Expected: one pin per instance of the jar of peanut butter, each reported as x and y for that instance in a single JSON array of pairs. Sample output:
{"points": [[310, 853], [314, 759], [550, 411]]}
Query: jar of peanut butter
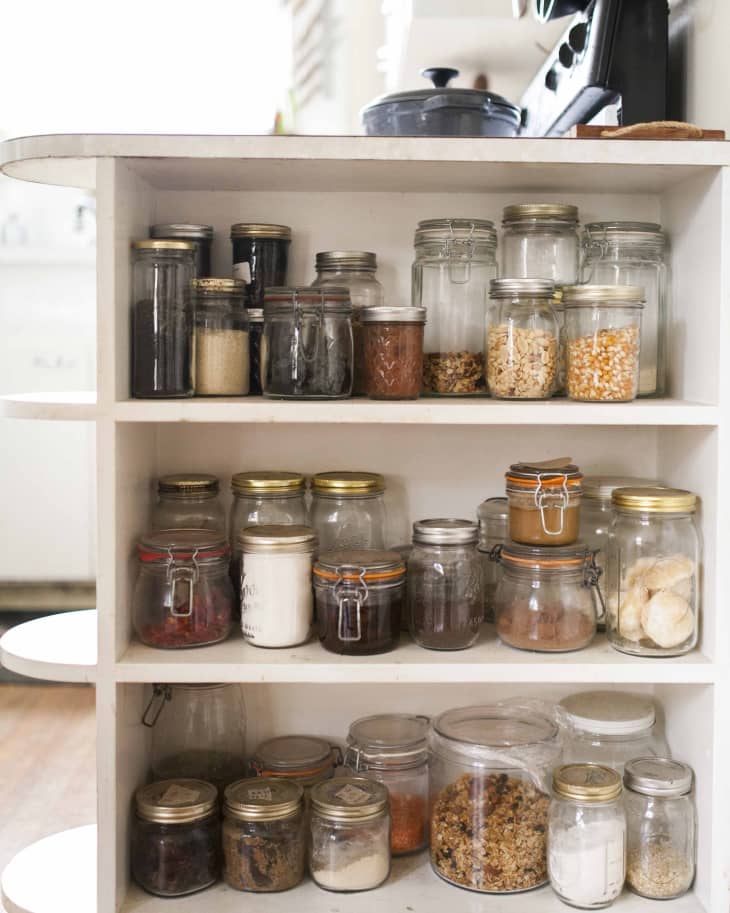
{"points": [[544, 502]]}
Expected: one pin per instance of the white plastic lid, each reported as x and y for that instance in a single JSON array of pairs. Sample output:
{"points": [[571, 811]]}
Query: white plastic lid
{"points": [[609, 712]]}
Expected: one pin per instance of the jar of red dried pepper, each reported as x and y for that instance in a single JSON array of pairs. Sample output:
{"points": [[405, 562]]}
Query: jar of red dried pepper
{"points": [[183, 596]]}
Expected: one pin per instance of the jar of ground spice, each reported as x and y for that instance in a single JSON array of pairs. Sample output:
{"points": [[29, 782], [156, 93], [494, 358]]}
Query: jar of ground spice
{"points": [[544, 502], [393, 351], [221, 337], [260, 257]]}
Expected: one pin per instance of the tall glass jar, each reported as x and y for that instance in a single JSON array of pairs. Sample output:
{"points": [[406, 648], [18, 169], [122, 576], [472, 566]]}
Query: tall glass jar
{"points": [[522, 339], [303, 759], [489, 778], [260, 257], [348, 510], [198, 731], [662, 827], [587, 836], [162, 319], [188, 500], [632, 253], [444, 585], [654, 560], [391, 748], [201, 237], [540, 241], [544, 502], [255, 335], [455, 262], [493, 517], [354, 270], [221, 337]]}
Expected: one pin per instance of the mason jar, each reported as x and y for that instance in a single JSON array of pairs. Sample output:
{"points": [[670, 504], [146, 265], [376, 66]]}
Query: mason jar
{"points": [[392, 352], [493, 518], [260, 257], [302, 759], [455, 262], [522, 339], [221, 337], [544, 502], [392, 749], [662, 827], [587, 836], [348, 510], [633, 253], [188, 500], [652, 581], [540, 241], [445, 608], [201, 236]]}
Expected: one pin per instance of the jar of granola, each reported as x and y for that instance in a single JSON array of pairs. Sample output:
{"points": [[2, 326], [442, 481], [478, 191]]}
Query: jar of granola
{"points": [[544, 502]]}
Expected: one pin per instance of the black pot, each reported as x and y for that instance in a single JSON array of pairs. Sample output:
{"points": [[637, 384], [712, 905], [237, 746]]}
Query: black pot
{"points": [[441, 111]]}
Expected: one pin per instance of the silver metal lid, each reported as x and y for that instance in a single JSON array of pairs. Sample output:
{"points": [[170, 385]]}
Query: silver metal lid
{"points": [[393, 315], [494, 509], [552, 212], [658, 777], [177, 801], [263, 799], [188, 231], [476, 230], [606, 295], [346, 259], [514, 288], [600, 488], [256, 315], [277, 539], [260, 230], [446, 531], [624, 232], [609, 712], [297, 754], [349, 798]]}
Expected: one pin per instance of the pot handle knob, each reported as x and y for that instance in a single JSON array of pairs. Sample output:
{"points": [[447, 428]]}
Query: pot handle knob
{"points": [[439, 76]]}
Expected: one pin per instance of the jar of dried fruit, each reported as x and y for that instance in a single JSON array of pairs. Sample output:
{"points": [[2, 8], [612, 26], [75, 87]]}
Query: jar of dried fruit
{"points": [[544, 502], [652, 585]]}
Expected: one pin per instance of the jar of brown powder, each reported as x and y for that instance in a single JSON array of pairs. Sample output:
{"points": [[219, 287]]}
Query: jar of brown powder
{"points": [[544, 502], [393, 351]]}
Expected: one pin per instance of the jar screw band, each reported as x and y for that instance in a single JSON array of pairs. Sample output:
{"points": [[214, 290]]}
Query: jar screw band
{"points": [[161, 693]]}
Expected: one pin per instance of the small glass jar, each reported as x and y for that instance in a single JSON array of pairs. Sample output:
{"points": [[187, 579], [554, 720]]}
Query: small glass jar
{"points": [[455, 262], [188, 501], [544, 502], [444, 585], [391, 748], [392, 352], [307, 349], [349, 846], [587, 836], [493, 517], [201, 236], [360, 595], [255, 334], [264, 835], [632, 253], [162, 319], [603, 324], [260, 257], [546, 600], [611, 728], [221, 337], [540, 241], [522, 339], [183, 595], [198, 731], [175, 837], [303, 759], [652, 581], [662, 827], [348, 510], [276, 584], [489, 774]]}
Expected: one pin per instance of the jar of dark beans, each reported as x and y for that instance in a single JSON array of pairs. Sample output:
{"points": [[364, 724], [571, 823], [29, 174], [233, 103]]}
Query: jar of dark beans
{"points": [[255, 332], [359, 597], [201, 237], [307, 348], [162, 319], [175, 837], [260, 257], [393, 351]]}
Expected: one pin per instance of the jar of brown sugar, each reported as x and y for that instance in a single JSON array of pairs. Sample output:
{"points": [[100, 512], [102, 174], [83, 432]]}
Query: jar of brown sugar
{"points": [[393, 351], [544, 502]]}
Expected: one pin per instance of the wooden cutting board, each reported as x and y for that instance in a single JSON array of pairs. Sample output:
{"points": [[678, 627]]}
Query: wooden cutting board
{"points": [[660, 129]]}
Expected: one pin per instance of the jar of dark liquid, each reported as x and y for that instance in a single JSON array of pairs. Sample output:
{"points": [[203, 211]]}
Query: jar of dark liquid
{"points": [[201, 237], [260, 257]]}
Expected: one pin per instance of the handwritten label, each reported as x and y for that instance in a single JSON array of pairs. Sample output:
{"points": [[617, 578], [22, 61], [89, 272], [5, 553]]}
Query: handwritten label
{"points": [[352, 795], [179, 795]]}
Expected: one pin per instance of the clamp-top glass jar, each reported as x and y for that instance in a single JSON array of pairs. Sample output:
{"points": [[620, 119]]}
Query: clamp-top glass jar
{"points": [[493, 517], [188, 501], [260, 257], [544, 502], [201, 237], [540, 241], [348, 510], [455, 262], [221, 337], [304, 759]]}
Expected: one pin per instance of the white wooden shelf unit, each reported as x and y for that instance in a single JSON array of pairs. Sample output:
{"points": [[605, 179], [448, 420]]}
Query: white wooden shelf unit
{"points": [[369, 193]]}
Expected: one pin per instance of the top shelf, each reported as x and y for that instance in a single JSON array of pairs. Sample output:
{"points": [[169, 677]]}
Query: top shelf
{"points": [[360, 163]]}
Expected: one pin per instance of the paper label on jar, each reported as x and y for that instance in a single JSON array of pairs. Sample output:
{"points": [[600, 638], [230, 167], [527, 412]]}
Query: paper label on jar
{"points": [[242, 271], [259, 793], [352, 795], [179, 795]]}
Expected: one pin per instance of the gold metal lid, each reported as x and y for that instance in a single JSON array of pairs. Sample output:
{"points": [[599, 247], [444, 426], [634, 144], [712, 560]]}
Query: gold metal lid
{"points": [[188, 483], [162, 244], [348, 483], [346, 259], [177, 801], [655, 500], [267, 482], [559, 212], [587, 783], [579, 295], [263, 799], [260, 230], [214, 284], [276, 538], [349, 798]]}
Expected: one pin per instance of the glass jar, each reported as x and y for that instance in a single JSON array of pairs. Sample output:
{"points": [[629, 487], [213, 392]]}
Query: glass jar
{"points": [[632, 253], [260, 257], [201, 237], [264, 835], [587, 836], [221, 337], [489, 774], [546, 600], [540, 241], [198, 731], [493, 516], [445, 607], [350, 834], [611, 728], [162, 319], [603, 324], [652, 581], [544, 502], [255, 334], [175, 837], [188, 501], [348, 510], [303, 759], [455, 262], [391, 748], [392, 352], [353, 270], [561, 376], [522, 339], [360, 595], [276, 584], [183, 595], [662, 827], [306, 349]]}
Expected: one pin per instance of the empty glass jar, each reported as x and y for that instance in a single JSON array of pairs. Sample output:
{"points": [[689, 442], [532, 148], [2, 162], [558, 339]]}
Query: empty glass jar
{"points": [[188, 501], [544, 502], [348, 510], [201, 237], [303, 759], [493, 516], [540, 241], [221, 337]]}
